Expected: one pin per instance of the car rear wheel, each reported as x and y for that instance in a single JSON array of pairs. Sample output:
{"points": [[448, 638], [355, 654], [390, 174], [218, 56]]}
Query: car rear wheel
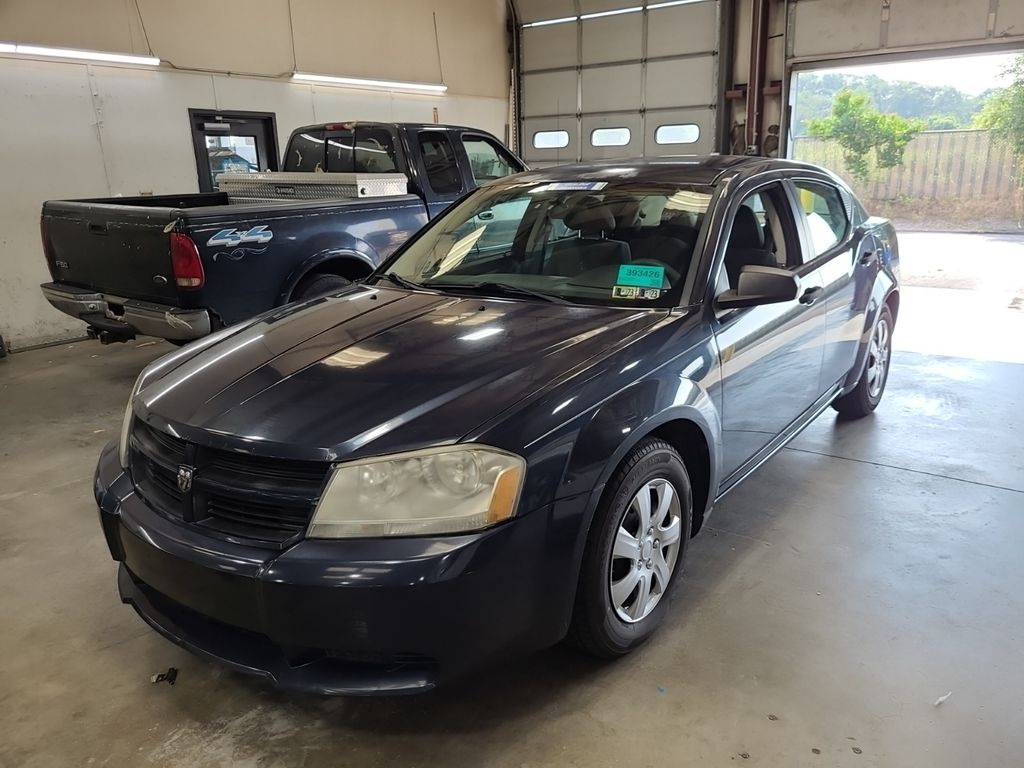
{"points": [[866, 396], [635, 552], [319, 285]]}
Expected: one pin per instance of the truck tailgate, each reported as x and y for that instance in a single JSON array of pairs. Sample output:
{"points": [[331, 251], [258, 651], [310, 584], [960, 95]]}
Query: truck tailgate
{"points": [[114, 249]]}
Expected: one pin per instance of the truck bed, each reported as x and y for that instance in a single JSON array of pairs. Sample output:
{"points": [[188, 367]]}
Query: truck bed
{"points": [[121, 245]]}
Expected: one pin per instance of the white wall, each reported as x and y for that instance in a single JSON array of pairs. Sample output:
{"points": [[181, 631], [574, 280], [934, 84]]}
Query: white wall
{"points": [[74, 130]]}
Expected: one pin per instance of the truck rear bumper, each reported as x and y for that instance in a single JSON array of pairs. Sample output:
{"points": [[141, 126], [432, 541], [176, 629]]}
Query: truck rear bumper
{"points": [[126, 318]]}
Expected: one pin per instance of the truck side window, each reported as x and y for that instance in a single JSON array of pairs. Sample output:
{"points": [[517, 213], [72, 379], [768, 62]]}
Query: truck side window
{"points": [[440, 163], [340, 152], [486, 160], [306, 152], [375, 151]]}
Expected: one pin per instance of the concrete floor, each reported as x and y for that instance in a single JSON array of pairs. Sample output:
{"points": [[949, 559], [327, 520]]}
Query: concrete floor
{"points": [[867, 570]]}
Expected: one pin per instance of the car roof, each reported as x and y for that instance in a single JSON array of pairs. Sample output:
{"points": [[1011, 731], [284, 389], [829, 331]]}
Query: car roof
{"points": [[336, 124], [687, 169]]}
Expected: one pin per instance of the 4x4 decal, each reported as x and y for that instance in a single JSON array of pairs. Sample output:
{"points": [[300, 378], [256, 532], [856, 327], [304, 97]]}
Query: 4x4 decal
{"points": [[233, 237]]}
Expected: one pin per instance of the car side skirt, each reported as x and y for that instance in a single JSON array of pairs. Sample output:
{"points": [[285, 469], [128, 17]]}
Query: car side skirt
{"points": [[780, 441]]}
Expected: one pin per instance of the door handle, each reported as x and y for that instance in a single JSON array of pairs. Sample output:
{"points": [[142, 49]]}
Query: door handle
{"points": [[811, 295], [868, 257]]}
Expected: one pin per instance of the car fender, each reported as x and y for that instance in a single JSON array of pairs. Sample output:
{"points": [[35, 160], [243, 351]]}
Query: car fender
{"points": [[619, 424], [353, 250]]}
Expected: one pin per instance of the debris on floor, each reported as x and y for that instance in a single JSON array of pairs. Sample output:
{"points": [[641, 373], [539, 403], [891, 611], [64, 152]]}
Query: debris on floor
{"points": [[773, 717], [856, 750], [169, 676], [942, 699]]}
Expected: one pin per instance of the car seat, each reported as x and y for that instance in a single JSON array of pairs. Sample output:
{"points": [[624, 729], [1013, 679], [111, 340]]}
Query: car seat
{"points": [[746, 245], [593, 220]]}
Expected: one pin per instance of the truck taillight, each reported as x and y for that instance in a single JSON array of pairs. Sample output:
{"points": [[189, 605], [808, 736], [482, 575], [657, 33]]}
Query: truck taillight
{"points": [[185, 261], [46, 243]]}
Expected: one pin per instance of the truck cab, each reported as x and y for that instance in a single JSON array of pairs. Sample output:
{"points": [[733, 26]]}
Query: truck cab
{"points": [[442, 162]]}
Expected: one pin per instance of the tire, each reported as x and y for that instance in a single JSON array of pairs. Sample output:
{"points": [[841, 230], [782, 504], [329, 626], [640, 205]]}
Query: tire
{"points": [[319, 285], [609, 619], [866, 396]]}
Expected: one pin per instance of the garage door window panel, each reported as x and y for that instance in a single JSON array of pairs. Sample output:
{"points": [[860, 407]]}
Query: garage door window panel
{"points": [[609, 137], [688, 133], [550, 139]]}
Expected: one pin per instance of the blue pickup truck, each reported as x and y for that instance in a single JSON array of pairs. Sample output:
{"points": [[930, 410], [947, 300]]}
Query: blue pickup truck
{"points": [[180, 266]]}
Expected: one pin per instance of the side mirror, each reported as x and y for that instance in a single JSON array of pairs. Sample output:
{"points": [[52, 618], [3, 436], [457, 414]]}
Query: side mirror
{"points": [[760, 285]]}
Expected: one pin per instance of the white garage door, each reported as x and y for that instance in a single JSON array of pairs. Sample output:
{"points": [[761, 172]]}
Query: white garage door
{"points": [[610, 78], [830, 30]]}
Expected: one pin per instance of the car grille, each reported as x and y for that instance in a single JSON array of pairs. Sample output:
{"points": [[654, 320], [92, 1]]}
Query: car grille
{"points": [[254, 499]]}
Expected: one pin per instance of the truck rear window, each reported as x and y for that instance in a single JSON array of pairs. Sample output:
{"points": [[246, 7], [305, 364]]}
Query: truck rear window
{"points": [[375, 151], [306, 152]]}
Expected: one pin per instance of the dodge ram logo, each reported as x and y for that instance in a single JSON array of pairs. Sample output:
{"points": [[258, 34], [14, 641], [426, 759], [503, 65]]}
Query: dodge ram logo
{"points": [[185, 478]]}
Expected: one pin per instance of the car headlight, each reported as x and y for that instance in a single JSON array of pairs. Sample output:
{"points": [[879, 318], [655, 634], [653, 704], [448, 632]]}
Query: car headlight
{"points": [[126, 424], [436, 491]]}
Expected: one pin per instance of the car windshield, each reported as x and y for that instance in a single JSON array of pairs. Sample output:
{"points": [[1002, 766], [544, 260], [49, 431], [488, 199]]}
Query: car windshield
{"points": [[613, 243]]}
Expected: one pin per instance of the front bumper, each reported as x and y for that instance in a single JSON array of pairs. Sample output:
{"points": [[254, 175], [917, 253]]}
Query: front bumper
{"points": [[124, 318], [367, 616]]}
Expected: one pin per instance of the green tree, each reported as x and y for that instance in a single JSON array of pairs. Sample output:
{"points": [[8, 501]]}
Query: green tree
{"points": [[1003, 111], [863, 133]]}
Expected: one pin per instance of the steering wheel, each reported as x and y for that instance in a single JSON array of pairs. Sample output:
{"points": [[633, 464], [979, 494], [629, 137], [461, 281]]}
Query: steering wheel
{"points": [[674, 275]]}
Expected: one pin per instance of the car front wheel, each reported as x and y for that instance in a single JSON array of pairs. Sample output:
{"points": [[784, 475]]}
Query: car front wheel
{"points": [[635, 552]]}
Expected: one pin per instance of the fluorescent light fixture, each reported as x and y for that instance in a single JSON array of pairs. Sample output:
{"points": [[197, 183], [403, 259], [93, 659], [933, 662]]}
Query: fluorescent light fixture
{"points": [[549, 22], [359, 82], [616, 12], [73, 53], [669, 4]]}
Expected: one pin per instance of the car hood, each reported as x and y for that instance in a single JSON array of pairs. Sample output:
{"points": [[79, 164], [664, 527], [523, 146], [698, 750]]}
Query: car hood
{"points": [[377, 370]]}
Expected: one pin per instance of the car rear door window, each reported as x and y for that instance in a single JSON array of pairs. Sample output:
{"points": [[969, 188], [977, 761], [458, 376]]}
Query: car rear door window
{"points": [[439, 162], [825, 214], [487, 160], [306, 152]]}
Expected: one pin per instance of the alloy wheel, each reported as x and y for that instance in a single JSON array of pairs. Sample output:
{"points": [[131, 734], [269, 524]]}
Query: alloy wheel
{"points": [[878, 358], [645, 551]]}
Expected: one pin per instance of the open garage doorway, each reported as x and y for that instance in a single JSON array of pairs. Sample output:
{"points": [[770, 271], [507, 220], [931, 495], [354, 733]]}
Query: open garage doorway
{"points": [[943, 168]]}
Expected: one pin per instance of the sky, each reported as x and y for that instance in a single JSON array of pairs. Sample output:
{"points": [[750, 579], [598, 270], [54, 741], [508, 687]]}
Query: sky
{"points": [[970, 74]]}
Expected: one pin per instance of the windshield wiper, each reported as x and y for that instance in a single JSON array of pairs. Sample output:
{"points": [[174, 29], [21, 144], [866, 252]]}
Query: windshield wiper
{"points": [[401, 281], [504, 289]]}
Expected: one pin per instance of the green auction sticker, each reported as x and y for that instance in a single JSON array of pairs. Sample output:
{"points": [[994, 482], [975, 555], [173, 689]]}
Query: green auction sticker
{"points": [[641, 276]]}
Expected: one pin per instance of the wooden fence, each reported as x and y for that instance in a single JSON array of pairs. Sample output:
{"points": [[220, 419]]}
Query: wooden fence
{"points": [[937, 165]]}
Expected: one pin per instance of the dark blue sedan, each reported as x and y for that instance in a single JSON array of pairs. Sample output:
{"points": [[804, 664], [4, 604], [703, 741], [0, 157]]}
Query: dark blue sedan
{"points": [[508, 434]]}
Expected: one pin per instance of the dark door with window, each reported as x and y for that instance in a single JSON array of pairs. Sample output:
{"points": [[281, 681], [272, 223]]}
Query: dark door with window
{"points": [[232, 142], [833, 247], [440, 169], [771, 354]]}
